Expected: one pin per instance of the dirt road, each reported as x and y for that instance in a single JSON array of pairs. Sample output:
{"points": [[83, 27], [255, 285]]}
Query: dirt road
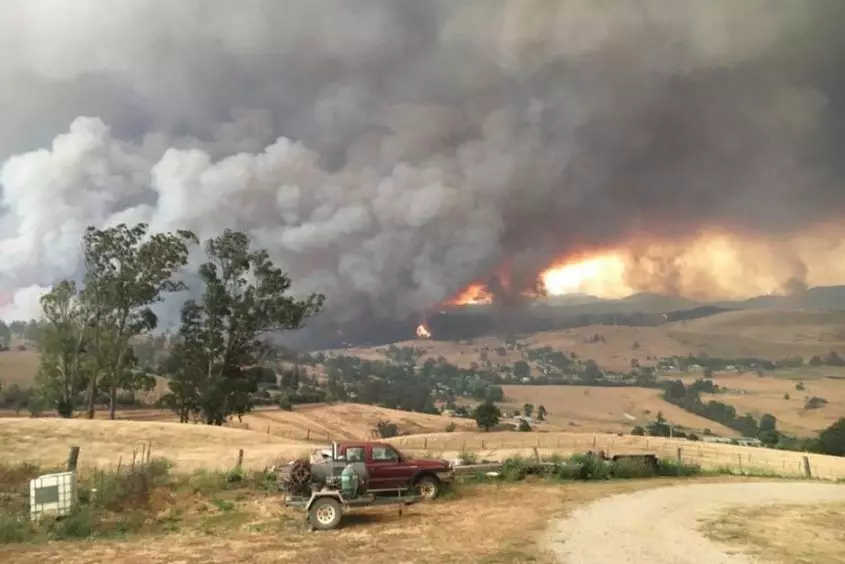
{"points": [[660, 526]]}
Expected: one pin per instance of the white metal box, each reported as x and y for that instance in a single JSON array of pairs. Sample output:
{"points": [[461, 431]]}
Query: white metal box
{"points": [[52, 494]]}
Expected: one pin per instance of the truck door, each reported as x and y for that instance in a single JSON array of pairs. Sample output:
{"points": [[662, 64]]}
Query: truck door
{"points": [[386, 470]]}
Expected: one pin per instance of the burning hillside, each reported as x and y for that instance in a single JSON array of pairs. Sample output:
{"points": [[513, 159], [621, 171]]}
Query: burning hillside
{"points": [[399, 156]]}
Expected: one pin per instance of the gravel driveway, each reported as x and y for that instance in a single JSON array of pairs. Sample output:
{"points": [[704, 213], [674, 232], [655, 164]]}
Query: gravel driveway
{"points": [[659, 526]]}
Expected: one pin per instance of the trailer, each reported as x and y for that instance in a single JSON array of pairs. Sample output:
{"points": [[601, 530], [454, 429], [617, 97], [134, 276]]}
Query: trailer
{"points": [[324, 509]]}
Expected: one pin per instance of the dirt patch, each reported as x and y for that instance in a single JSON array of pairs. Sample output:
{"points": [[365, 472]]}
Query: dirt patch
{"points": [[661, 526], [794, 534]]}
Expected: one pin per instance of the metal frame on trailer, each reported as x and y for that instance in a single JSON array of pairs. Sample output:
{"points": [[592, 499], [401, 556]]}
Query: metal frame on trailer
{"points": [[324, 509]]}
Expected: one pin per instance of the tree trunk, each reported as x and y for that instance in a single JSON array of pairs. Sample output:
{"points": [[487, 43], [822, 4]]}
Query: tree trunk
{"points": [[92, 395], [112, 401]]}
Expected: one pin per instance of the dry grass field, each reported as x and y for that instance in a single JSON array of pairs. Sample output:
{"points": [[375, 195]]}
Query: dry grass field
{"points": [[603, 409], [499, 446], [749, 393], [492, 524], [789, 534], [763, 333], [105, 443], [343, 421]]}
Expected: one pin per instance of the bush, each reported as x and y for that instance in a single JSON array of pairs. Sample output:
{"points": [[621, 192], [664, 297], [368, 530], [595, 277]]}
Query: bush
{"points": [[524, 426], [814, 402], [467, 457], [513, 469], [638, 431], [629, 468], [284, 403], [450, 428]]}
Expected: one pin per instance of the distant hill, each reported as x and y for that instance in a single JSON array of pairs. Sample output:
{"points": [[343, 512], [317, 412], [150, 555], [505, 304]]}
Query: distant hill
{"points": [[553, 313]]}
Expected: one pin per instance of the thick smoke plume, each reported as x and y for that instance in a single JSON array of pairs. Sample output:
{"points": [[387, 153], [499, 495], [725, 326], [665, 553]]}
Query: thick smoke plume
{"points": [[390, 152]]}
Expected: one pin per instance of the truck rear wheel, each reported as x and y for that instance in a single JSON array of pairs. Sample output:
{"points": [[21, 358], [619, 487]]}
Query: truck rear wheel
{"points": [[429, 487], [325, 513]]}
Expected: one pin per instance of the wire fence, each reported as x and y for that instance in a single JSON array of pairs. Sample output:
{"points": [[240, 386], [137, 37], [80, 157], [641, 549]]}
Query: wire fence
{"points": [[706, 455]]}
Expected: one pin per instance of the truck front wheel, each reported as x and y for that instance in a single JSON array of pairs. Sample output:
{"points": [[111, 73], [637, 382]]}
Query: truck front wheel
{"points": [[325, 513], [429, 487]]}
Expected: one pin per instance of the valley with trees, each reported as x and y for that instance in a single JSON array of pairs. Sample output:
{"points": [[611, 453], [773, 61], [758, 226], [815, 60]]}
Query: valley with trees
{"points": [[100, 349]]}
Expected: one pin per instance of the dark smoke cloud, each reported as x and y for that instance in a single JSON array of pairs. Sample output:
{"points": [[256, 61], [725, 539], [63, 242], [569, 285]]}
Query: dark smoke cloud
{"points": [[389, 152]]}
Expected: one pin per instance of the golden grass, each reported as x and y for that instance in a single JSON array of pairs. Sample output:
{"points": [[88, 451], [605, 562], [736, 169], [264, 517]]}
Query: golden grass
{"points": [[343, 421], [749, 393], [105, 443], [603, 409], [765, 333], [315, 422], [790, 534], [496, 524], [499, 446]]}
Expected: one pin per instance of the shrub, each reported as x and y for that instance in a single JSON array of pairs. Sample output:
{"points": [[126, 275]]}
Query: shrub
{"points": [[284, 403], [524, 426], [638, 431], [814, 402], [630, 468], [450, 428], [467, 457]]}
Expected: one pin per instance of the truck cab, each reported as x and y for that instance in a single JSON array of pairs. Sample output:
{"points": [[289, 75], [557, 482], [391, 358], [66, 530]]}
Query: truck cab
{"points": [[391, 471]]}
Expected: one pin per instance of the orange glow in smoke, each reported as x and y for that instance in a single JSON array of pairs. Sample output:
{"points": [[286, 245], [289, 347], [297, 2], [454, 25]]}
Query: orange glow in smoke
{"points": [[474, 294], [423, 332]]}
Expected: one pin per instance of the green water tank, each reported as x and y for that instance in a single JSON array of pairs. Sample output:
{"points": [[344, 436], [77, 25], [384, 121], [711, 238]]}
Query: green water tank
{"points": [[349, 481]]}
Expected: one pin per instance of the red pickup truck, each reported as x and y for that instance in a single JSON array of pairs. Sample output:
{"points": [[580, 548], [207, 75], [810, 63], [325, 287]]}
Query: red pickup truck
{"points": [[390, 470]]}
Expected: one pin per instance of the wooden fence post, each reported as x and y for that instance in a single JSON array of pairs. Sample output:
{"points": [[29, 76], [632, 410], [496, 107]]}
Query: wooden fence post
{"points": [[739, 460], [308, 434], [72, 458], [240, 459], [149, 449], [680, 460], [807, 471], [425, 443]]}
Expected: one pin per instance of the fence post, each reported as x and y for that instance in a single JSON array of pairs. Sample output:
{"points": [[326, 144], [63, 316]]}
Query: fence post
{"points": [[482, 444], [72, 458], [739, 460], [308, 434], [240, 459], [425, 443], [680, 460], [807, 471]]}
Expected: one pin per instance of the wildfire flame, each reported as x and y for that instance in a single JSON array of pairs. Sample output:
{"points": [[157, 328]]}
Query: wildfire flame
{"points": [[601, 275], [423, 332], [474, 294]]}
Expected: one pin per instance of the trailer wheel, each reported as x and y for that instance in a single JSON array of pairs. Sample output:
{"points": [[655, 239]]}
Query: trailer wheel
{"points": [[429, 487], [325, 513]]}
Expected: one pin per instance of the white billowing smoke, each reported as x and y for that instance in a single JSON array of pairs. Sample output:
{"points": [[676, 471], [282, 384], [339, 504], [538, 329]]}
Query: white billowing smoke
{"points": [[388, 152], [349, 233]]}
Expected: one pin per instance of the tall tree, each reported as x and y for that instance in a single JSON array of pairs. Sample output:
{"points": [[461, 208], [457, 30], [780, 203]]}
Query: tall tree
{"points": [[486, 415], [127, 271], [62, 346], [244, 298]]}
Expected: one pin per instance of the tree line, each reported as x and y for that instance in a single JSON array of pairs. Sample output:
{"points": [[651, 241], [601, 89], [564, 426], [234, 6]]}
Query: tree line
{"points": [[89, 328]]}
